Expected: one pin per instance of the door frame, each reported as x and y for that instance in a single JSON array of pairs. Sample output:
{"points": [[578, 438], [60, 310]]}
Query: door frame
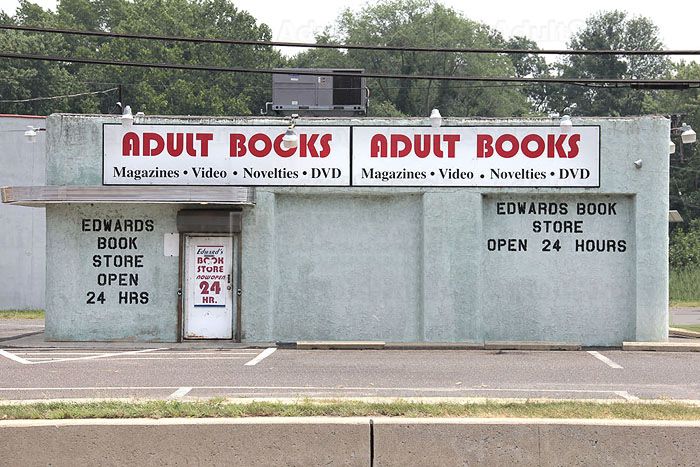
{"points": [[236, 249]]}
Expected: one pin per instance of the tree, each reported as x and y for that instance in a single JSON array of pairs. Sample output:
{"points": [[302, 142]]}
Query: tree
{"points": [[423, 23], [21, 80], [154, 91], [530, 66], [684, 185], [611, 30]]}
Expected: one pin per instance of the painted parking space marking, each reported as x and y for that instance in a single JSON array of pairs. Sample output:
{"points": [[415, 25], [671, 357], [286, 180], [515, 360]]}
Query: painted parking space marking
{"points": [[180, 393], [605, 360], [45, 354], [112, 359], [105, 355], [90, 356], [34, 357], [14, 357], [12, 325], [263, 355], [627, 396], [332, 390]]}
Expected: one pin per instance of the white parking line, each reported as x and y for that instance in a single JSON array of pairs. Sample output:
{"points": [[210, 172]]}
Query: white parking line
{"points": [[112, 359], [51, 354], [71, 359], [180, 393], [330, 390], [14, 357], [605, 360], [105, 355], [627, 396], [263, 355], [22, 325]]}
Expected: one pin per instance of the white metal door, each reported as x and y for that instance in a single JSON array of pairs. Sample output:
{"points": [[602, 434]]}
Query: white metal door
{"points": [[209, 280]]}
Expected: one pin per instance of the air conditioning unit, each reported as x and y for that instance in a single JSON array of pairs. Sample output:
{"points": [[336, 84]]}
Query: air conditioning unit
{"points": [[337, 92]]}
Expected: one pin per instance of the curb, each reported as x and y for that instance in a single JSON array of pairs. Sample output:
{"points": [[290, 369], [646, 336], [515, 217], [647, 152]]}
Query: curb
{"points": [[340, 345], [534, 345], [680, 332], [690, 346], [662, 346], [353, 441], [379, 345]]}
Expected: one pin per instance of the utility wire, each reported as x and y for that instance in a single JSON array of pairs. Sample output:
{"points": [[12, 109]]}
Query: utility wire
{"points": [[390, 86], [391, 48], [610, 82], [17, 101]]}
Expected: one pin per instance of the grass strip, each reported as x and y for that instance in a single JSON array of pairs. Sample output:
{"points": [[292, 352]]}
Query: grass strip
{"points": [[221, 408], [684, 286], [685, 303], [21, 314]]}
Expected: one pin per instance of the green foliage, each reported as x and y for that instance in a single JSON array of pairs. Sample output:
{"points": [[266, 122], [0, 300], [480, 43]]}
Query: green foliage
{"points": [[384, 109], [684, 262], [684, 186], [684, 286], [611, 30], [684, 250], [531, 66], [21, 314], [154, 91], [431, 24]]}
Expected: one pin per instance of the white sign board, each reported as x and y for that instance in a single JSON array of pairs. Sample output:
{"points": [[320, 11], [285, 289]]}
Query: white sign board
{"points": [[210, 275], [509, 156], [225, 155], [463, 156]]}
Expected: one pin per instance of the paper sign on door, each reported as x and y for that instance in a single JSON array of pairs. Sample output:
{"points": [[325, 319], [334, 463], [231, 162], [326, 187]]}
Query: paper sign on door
{"points": [[210, 277]]}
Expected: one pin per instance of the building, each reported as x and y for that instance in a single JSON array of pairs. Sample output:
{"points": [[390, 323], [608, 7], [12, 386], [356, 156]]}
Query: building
{"points": [[369, 229], [22, 231]]}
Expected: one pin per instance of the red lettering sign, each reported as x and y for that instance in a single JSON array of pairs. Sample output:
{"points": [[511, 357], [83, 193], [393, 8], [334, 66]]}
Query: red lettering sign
{"points": [[533, 146]]}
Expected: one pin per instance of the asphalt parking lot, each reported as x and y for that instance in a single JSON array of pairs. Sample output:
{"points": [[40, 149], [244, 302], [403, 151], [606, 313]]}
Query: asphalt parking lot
{"points": [[171, 372]]}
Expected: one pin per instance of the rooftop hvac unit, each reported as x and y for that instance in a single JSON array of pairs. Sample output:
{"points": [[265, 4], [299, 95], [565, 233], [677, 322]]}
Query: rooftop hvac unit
{"points": [[337, 92]]}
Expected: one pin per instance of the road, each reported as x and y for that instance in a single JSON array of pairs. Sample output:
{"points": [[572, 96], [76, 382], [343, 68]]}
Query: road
{"points": [[685, 315], [167, 371], [164, 373]]}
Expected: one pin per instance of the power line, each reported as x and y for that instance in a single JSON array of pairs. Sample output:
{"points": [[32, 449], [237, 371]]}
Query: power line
{"points": [[389, 86], [608, 82], [390, 48], [17, 101]]}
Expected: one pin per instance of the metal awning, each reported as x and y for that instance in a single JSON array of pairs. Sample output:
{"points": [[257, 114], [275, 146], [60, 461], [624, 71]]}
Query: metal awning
{"points": [[43, 195]]}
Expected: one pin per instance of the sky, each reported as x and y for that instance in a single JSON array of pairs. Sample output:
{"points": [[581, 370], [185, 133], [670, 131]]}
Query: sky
{"points": [[549, 23]]}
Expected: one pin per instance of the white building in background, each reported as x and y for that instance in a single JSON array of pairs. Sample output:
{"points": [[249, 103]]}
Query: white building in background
{"points": [[22, 231]]}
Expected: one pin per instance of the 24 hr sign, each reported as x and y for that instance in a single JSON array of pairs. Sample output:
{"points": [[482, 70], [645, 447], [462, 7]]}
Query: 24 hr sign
{"points": [[210, 275]]}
